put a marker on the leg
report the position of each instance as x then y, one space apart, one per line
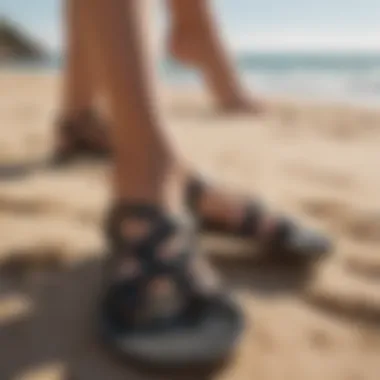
78 85
196 39
121 58
154 304
79 129
144 156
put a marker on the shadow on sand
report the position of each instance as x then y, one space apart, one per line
59 328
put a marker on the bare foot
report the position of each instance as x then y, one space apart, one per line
248 104
187 47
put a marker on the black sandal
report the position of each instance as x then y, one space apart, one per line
285 239
83 137
155 312
73 145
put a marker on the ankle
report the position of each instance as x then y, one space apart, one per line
147 186
142 192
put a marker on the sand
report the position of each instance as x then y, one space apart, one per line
317 161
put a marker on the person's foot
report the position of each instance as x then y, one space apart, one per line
158 309
83 135
241 217
187 46
243 103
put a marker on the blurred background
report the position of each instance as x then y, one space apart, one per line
329 49
313 153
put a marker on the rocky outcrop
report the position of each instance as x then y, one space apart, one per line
16 44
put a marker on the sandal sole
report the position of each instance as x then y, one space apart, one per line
202 346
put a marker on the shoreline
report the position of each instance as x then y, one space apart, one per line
197 88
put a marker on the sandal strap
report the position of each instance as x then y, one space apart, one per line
69 125
84 133
122 212
128 295
282 229
249 226
283 236
253 216
161 228
193 194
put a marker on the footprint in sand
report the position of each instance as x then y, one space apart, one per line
363 225
326 208
355 223
364 262
321 176
359 230
335 290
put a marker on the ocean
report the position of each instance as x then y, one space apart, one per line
333 77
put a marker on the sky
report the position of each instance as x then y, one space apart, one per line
247 24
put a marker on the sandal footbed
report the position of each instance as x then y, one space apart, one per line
208 339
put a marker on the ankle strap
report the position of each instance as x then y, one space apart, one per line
121 212
193 194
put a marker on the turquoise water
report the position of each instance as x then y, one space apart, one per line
310 61
342 77
349 77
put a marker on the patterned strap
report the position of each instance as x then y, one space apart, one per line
130 296
122 212
250 223
282 230
253 217
193 194
72 126
281 235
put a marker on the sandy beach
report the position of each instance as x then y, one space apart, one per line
319 162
